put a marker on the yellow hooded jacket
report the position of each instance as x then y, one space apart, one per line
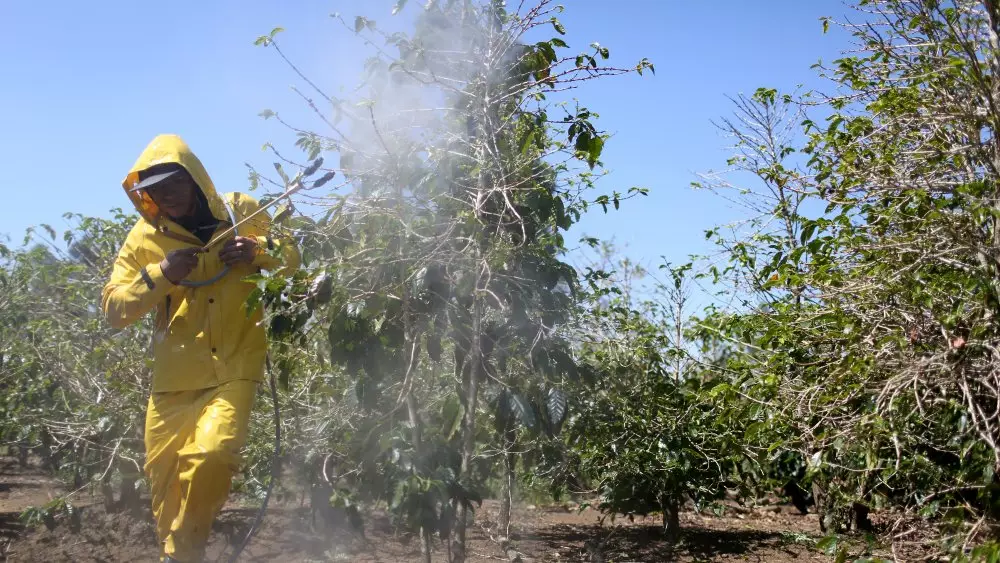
203 335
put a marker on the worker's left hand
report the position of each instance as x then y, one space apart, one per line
238 250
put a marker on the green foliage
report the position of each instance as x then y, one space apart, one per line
863 343
439 280
989 552
73 389
51 513
649 428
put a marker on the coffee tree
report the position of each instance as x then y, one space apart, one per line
868 330
462 169
74 389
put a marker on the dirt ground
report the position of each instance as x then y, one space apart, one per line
551 534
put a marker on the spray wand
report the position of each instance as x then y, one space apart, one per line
229 232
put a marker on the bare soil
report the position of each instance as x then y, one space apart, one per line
777 533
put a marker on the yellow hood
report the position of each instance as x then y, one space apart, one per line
164 149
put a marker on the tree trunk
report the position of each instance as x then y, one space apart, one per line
412 411
108 494
22 454
128 498
506 487
485 128
507 498
414 415
471 393
679 335
45 451
671 520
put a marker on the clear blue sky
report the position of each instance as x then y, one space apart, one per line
87 84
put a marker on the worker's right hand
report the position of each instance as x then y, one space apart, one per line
180 263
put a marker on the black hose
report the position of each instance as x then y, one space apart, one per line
274 466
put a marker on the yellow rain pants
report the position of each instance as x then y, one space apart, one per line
193 439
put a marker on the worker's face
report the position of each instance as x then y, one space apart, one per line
176 197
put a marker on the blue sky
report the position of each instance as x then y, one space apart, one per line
88 84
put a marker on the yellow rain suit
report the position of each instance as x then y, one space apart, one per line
208 354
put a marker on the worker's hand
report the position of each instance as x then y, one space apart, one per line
180 263
238 250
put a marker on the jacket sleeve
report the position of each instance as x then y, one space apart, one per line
269 242
135 287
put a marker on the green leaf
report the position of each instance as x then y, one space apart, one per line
603 202
528 141
284 366
359 23
524 412
400 4
583 141
265 40
765 96
451 416
547 56
281 172
558 26
594 150
283 213
255 279
719 389
253 300
556 403
828 544
267 114
807 232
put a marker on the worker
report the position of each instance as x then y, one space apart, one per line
208 353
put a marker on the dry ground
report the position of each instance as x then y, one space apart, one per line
769 534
